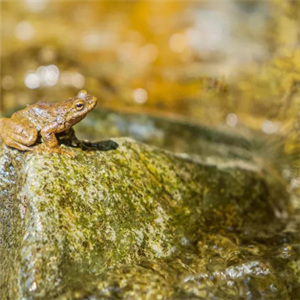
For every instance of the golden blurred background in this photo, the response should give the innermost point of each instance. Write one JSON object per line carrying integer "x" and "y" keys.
{"x": 215, "y": 62}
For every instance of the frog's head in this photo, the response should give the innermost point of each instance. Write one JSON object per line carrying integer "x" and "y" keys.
{"x": 80, "y": 106}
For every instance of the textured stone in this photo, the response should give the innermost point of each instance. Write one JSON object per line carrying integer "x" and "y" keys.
{"x": 135, "y": 222}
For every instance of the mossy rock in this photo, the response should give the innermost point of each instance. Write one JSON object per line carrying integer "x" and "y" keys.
{"x": 139, "y": 222}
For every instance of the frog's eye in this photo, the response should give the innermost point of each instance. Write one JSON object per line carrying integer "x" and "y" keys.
{"x": 79, "y": 105}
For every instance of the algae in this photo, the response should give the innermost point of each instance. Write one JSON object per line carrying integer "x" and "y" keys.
{"x": 139, "y": 222}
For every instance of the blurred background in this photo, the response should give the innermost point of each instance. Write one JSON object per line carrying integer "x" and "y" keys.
{"x": 215, "y": 62}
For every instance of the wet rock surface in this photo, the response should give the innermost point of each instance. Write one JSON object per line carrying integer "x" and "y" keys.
{"x": 138, "y": 222}
{"x": 175, "y": 135}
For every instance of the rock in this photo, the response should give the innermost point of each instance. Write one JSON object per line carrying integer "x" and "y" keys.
{"x": 175, "y": 135}
{"x": 139, "y": 222}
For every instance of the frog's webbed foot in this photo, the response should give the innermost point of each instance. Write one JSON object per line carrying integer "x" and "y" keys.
{"x": 20, "y": 146}
{"x": 105, "y": 145}
{"x": 42, "y": 149}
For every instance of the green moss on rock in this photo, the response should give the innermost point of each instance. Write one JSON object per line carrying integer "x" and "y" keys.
{"x": 137, "y": 223}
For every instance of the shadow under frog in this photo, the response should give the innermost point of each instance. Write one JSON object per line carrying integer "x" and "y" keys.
{"x": 44, "y": 126}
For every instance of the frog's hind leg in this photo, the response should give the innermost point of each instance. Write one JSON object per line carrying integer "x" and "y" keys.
{"x": 19, "y": 135}
{"x": 11, "y": 143}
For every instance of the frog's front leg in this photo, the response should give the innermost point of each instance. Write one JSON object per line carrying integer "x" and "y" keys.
{"x": 48, "y": 135}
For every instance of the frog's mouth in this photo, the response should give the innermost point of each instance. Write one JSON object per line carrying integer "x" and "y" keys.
{"x": 92, "y": 101}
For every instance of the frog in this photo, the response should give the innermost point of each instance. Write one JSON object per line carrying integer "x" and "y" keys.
{"x": 47, "y": 122}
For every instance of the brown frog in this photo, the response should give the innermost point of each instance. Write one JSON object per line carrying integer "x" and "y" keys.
{"x": 49, "y": 121}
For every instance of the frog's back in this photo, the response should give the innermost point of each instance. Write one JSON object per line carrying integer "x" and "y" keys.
{"x": 38, "y": 114}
